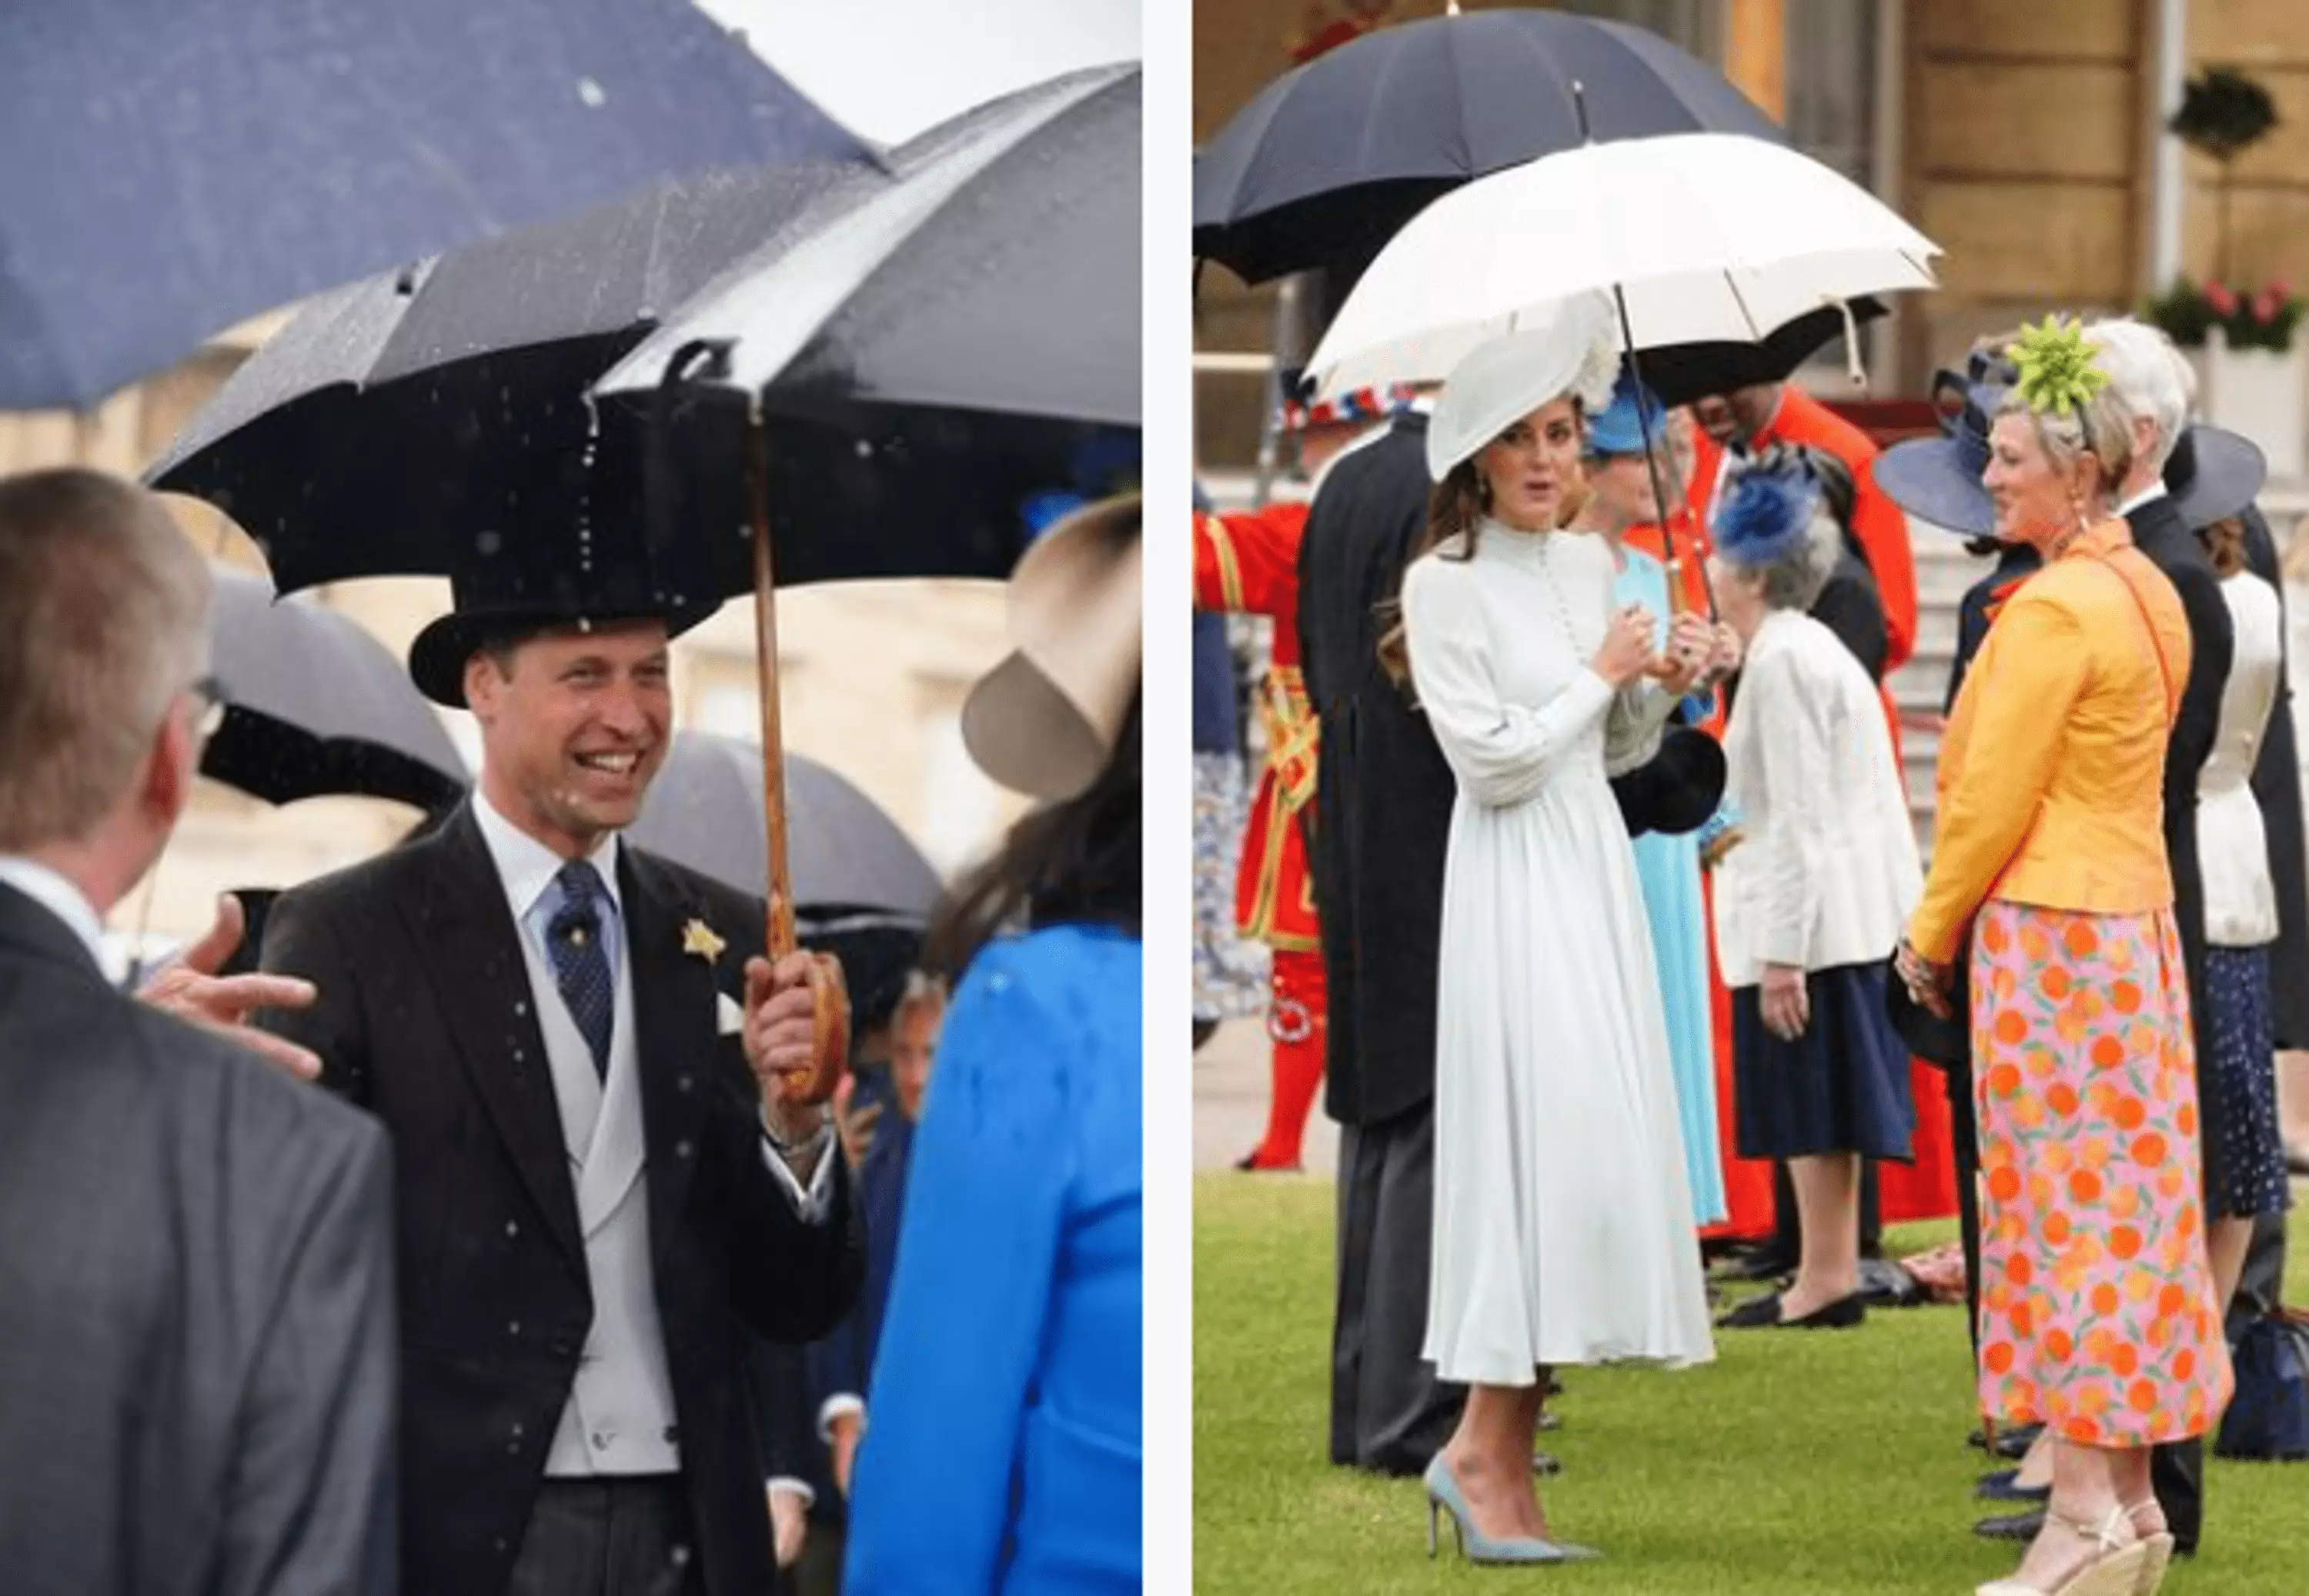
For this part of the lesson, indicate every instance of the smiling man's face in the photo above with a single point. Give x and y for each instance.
(573, 725)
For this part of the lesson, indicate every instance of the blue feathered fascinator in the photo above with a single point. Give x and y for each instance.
(1768, 512)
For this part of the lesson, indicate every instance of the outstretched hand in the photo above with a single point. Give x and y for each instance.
(191, 990)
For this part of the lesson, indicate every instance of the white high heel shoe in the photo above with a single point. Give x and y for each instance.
(2115, 1569)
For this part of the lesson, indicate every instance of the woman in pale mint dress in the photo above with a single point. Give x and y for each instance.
(1562, 1221)
(1669, 866)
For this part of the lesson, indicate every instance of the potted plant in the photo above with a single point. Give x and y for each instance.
(2250, 374)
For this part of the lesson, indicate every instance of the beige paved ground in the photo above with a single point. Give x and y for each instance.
(1230, 1101)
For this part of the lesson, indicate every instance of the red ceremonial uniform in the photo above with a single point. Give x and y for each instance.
(1248, 564)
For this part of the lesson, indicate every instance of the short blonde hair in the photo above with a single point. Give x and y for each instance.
(104, 619)
(2103, 426)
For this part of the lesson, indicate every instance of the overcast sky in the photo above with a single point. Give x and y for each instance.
(888, 69)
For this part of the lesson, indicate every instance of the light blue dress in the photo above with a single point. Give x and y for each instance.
(1669, 869)
(1002, 1451)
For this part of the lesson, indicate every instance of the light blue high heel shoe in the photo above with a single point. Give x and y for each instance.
(1443, 1497)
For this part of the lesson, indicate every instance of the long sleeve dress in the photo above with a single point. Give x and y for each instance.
(1562, 1227)
(1002, 1452)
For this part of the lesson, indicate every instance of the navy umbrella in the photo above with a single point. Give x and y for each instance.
(1329, 160)
(705, 810)
(317, 706)
(202, 160)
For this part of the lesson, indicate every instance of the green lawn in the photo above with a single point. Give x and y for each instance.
(1823, 1463)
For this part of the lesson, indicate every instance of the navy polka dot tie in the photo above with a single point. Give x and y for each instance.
(580, 966)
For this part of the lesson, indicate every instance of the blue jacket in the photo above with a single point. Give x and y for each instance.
(1002, 1450)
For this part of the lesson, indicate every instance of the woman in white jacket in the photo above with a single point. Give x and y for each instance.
(1810, 906)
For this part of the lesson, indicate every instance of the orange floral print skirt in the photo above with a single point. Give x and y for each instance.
(2096, 1309)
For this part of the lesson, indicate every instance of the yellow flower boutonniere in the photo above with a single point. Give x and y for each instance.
(697, 938)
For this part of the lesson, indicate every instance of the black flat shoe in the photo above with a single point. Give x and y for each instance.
(2011, 1444)
(2017, 1526)
(2002, 1486)
(1250, 1165)
(1763, 1313)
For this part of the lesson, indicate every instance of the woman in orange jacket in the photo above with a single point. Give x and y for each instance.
(2097, 1314)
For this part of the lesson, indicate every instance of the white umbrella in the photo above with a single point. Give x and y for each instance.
(1716, 238)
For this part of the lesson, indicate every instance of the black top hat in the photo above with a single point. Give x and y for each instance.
(505, 597)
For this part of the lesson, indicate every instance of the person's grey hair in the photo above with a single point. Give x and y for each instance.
(1794, 580)
(2148, 374)
(104, 621)
(2103, 424)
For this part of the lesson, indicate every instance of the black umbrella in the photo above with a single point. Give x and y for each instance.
(202, 160)
(317, 706)
(420, 410)
(705, 810)
(933, 349)
(407, 424)
(1329, 160)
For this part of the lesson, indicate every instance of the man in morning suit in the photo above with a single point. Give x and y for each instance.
(197, 1363)
(607, 1180)
(1382, 819)
(2150, 375)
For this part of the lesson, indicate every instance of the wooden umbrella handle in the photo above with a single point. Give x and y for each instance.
(829, 991)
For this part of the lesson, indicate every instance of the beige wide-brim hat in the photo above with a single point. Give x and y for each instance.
(1571, 347)
(1044, 721)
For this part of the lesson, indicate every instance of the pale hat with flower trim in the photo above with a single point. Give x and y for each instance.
(1045, 721)
(1571, 348)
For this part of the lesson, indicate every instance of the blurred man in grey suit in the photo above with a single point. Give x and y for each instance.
(196, 1375)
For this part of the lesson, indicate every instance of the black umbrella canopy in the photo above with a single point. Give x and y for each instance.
(704, 811)
(926, 363)
(432, 420)
(1329, 160)
(318, 707)
(201, 161)
(394, 425)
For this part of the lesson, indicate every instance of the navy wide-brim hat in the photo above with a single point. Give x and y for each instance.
(504, 600)
(1938, 479)
(2213, 472)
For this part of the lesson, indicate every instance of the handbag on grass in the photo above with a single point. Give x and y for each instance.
(2269, 1415)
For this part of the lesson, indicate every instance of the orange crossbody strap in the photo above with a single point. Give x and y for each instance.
(2155, 643)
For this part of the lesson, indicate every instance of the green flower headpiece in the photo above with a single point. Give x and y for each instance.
(2057, 374)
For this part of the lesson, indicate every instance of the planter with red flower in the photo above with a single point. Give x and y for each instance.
(2252, 373)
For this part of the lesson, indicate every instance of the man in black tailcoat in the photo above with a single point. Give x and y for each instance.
(1382, 815)
(607, 1178)
(2150, 375)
